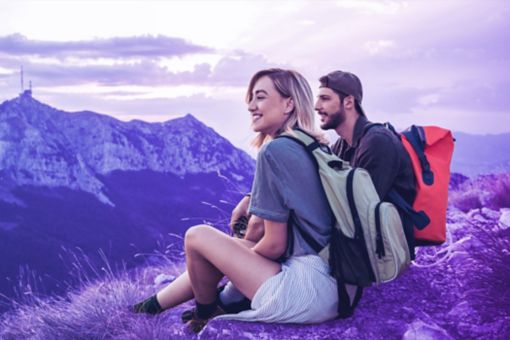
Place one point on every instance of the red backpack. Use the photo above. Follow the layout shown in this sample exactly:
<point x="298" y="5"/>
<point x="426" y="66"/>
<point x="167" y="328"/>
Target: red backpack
<point x="430" y="149"/>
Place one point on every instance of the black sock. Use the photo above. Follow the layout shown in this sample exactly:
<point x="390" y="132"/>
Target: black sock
<point x="204" y="311"/>
<point x="149" y="306"/>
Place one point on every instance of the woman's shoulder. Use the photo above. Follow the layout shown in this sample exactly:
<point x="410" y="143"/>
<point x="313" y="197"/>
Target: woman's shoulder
<point x="284" y="152"/>
<point x="282" y="147"/>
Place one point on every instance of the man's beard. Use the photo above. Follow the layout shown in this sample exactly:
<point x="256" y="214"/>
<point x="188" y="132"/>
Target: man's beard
<point x="335" y="119"/>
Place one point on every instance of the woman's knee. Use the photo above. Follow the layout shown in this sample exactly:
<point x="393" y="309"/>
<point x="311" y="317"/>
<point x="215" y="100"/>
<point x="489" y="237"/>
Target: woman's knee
<point x="196" y="235"/>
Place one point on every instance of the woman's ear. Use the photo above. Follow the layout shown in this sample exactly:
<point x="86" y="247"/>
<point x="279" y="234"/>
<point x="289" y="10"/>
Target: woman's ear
<point x="289" y="107"/>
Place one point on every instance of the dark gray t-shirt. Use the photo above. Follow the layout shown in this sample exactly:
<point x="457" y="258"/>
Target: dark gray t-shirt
<point x="287" y="188"/>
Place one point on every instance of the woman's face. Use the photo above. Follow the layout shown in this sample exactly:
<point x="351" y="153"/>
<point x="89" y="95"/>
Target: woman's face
<point x="269" y="110"/>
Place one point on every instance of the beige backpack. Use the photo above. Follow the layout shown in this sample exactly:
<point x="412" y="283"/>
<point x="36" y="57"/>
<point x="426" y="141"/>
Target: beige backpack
<point x="368" y="244"/>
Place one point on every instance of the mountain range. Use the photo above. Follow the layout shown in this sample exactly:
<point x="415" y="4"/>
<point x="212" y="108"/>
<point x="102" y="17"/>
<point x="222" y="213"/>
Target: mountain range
<point x="89" y="183"/>
<point x="481" y="154"/>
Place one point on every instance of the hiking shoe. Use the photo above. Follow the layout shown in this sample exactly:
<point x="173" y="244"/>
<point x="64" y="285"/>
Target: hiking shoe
<point x="196" y="324"/>
<point x="148" y="306"/>
<point x="235" y="307"/>
<point x="187" y="315"/>
<point x="229" y="308"/>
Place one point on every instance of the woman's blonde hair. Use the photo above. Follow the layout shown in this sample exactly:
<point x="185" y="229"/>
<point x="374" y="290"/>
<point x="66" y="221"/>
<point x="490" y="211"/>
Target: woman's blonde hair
<point x="289" y="84"/>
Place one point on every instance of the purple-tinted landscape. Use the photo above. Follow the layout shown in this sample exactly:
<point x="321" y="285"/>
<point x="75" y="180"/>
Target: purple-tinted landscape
<point x="93" y="206"/>
<point x="92" y="213"/>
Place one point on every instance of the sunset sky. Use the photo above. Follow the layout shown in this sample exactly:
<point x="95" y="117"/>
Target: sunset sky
<point x="426" y="62"/>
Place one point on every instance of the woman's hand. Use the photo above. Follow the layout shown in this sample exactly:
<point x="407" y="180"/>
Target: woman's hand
<point x="241" y="210"/>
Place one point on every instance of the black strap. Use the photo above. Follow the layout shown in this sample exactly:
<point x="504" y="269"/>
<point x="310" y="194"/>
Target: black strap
<point x="416" y="138"/>
<point x="311" y="147"/>
<point x="379" y="248"/>
<point x="419" y="218"/>
<point x="392" y="129"/>
<point x="345" y="308"/>
<point x="358" y="227"/>
<point x="358" y="231"/>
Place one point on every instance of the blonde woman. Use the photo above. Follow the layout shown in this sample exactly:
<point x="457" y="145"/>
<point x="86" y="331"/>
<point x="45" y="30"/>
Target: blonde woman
<point x="282" y="275"/>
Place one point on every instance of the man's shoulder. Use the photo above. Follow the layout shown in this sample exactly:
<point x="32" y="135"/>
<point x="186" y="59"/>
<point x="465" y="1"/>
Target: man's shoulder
<point x="378" y="134"/>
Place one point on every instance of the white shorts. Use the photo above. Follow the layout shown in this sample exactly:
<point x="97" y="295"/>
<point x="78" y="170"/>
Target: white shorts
<point x="303" y="292"/>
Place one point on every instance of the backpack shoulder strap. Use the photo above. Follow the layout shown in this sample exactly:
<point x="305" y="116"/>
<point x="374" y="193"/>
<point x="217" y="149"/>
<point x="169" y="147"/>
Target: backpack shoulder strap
<point x="416" y="137"/>
<point x="419" y="218"/>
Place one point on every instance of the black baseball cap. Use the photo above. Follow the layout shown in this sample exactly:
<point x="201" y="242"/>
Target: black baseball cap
<point x="345" y="83"/>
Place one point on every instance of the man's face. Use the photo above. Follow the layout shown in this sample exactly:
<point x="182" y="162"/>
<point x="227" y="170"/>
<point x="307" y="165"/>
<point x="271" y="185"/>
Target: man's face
<point x="329" y="108"/>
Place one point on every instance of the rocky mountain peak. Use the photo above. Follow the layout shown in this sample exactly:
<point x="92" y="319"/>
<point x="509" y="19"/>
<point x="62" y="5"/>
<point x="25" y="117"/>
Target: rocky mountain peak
<point x="44" y="146"/>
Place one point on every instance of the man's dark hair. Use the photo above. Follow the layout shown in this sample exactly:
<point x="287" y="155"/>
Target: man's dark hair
<point x="342" y="95"/>
<point x="344" y="84"/>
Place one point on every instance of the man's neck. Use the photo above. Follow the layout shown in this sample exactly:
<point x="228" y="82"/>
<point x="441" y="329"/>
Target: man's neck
<point x="346" y="129"/>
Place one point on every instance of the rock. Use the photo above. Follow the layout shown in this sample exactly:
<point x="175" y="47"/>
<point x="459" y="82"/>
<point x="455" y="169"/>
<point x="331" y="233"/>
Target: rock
<point x="425" y="331"/>
<point x="483" y="214"/>
<point x="504" y="218"/>
<point x="351" y="333"/>
<point x="163" y="279"/>
<point x="466" y="317"/>
<point x="490" y="214"/>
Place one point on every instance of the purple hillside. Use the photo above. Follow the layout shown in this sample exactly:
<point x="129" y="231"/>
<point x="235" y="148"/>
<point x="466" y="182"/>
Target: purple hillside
<point x="92" y="213"/>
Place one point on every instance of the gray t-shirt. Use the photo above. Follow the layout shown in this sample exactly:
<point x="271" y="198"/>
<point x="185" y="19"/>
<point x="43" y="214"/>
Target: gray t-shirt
<point x="287" y="188"/>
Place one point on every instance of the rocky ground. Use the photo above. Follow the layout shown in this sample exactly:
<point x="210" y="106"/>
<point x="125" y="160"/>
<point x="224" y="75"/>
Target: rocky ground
<point x="455" y="291"/>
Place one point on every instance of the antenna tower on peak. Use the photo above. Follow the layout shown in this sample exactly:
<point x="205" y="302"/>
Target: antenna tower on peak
<point x="24" y="92"/>
<point x="21" y="76"/>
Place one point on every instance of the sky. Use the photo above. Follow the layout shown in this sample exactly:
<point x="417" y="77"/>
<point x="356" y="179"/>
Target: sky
<point x="421" y="62"/>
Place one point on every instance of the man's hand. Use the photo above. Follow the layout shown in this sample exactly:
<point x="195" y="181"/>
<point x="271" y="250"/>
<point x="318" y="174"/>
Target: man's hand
<point x="240" y="211"/>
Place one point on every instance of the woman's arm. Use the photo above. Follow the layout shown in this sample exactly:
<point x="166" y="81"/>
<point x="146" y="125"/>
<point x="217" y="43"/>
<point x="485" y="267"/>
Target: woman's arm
<point x="274" y="242"/>
<point x="255" y="229"/>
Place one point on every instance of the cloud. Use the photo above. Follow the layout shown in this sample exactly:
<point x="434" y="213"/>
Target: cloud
<point x="237" y="68"/>
<point x="234" y="69"/>
<point x="370" y="7"/>
<point x="146" y="72"/>
<point x="378" y="46"/>
<point x="116" y="47"/>
<point x="428" y="99"/>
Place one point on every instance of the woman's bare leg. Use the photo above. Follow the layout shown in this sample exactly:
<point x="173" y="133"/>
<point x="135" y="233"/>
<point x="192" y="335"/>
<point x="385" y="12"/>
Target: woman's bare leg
<point x="180" y="290"/>
<point x="177" y="292"/>
<point x="211" y="254"/>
